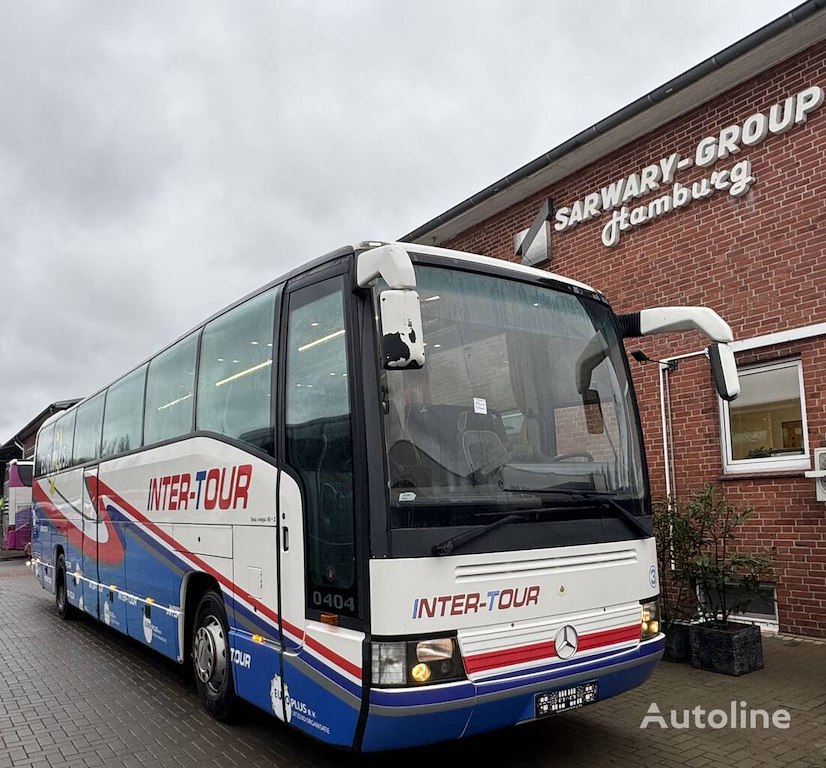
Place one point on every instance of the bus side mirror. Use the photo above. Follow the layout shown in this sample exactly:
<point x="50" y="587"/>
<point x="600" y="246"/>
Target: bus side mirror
<point x="402" y="344"/>
<point x="594" y="421"/>
<point x="724" y="371"/>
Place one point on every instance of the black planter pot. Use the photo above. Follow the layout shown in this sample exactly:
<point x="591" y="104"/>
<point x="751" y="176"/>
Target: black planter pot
<point x="732" y="648"/>
<point x="677" y="644"/>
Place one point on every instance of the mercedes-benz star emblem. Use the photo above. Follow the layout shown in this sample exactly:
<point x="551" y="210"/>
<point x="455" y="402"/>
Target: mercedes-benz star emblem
<point x="566" y="642"/>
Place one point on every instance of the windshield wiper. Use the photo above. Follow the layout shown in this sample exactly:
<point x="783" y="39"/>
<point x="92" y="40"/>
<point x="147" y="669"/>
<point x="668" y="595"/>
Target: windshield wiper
<point x="605" y="499"/>
<point x="454" y="542"/>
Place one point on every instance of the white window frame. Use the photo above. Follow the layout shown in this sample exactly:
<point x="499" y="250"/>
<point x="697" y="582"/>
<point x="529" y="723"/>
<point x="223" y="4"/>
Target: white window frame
<point x="767" y="622"/>
<point x="773" y="463"/>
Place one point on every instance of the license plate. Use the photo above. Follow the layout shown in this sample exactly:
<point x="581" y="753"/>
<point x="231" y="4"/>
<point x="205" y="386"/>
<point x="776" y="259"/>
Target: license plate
<point x="568" y="698"/>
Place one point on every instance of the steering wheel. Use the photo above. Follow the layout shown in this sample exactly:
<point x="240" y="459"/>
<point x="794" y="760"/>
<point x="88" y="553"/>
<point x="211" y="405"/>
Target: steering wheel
<point x="575" y="455"/>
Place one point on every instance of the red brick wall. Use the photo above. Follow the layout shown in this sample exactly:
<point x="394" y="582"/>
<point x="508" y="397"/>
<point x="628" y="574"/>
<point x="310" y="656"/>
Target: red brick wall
<point x="759" y="260"/>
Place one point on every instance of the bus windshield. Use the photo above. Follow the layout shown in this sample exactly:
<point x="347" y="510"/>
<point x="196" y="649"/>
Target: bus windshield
<point x="496" y="419"/>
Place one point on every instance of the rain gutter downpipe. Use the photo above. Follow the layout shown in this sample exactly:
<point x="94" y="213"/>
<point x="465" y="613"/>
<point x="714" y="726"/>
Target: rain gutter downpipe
<point x="666" y="365"/>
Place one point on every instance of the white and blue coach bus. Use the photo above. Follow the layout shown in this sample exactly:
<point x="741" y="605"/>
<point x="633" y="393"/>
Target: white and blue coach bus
<point x="397" y="496"/>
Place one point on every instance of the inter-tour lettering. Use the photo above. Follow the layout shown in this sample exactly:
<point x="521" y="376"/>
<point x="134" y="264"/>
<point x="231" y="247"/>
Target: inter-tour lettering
<point x="219" y="487"/>
<point x="473" y="602"/>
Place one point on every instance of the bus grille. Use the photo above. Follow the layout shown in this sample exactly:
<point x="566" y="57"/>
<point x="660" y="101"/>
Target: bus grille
<point x="526" y="645"/>
<point x="546" y="566"/>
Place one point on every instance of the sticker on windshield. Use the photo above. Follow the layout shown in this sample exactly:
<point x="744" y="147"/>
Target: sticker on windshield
<point x="407" y="496"/>
<point x="480" y="405"/>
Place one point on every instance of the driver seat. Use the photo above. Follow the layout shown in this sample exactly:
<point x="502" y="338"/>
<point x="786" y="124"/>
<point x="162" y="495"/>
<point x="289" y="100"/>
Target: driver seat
<point x="484" y="451"/>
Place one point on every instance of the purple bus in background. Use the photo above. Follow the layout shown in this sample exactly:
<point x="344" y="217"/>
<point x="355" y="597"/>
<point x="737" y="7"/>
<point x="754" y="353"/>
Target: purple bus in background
<point x="17" y="505"/>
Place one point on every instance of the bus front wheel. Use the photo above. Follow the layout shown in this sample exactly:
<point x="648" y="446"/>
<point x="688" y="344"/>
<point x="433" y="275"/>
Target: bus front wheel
<point x="211" y="657"/>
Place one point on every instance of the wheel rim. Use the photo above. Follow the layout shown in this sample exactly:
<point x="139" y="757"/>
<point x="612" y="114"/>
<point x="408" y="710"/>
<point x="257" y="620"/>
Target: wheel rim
<point x="210" y="654"/>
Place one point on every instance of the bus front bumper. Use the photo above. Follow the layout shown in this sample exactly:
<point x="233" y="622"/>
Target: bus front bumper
<point x="414" y="717"/>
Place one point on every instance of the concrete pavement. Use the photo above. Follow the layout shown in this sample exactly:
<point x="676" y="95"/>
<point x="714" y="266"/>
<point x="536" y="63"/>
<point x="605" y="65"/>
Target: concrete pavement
<point x="78" y="694"/>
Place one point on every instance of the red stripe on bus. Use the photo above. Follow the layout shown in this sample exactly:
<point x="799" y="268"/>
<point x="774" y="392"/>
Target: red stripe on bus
<point x="332" y="656"/>
<point x="109" y="552"/>
<point x="610" y="637"/>
<point x="105" y="490"/>
<point x="509" y="656"/>
<point x="546" y="650"/>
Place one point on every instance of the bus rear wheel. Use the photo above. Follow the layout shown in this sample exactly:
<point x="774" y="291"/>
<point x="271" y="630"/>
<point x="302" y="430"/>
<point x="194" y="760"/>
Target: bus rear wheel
<point x="64" y="608"/>
<point x="211" y="664"/>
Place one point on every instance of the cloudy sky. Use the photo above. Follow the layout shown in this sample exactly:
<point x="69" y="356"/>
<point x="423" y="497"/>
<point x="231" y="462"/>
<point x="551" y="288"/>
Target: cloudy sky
<point x="160" y="159"/>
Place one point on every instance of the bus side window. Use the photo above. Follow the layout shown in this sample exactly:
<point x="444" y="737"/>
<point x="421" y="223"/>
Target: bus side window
<point x="123" y="414"/>
<point x="87" y="431"/>
<point x="43" y="451"/>
<point x="235" y="374"/>
<point x="170" y="385"/>
<point x="64" y="437"/>
<point x="319" y="443"/>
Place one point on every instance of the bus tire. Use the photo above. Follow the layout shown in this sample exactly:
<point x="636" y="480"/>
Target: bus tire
<point x="64" y="609"/>
<point x="211" y="662"/>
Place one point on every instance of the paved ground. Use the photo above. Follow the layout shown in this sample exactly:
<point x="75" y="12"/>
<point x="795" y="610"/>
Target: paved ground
<point x="78" y="694"/>
<point x="11" y="554"/>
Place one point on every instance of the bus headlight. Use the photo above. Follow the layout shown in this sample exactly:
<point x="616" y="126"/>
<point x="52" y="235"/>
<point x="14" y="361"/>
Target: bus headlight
<point x="649" y="620"/>
<point x="416" y="662"/>
<point x="435" y="650"/>
<point x="389" y="663"/>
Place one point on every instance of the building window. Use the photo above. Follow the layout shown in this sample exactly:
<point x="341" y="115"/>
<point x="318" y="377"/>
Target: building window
<point x="757" y="604"/>
<point x="764" y="429"/>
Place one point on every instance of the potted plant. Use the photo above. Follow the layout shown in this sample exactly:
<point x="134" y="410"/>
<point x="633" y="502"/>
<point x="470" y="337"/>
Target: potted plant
<point x="674" y="536"/>
<point x="725" y="577"/>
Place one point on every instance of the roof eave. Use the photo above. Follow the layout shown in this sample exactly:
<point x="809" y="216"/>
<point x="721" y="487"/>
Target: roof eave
<point x="34" y="424"/>
<point x="770" y="45"/>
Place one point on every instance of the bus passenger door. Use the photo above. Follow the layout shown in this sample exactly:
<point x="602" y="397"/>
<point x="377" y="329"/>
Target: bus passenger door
<point x="89" y="559"/>
<point x="291" y="555"/>
<point x="321" y="661"/>
<point x="110" y="551"/>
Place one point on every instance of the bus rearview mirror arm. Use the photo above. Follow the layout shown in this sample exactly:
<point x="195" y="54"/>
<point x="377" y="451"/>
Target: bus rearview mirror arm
<point x="648" y="322"/>
<point x="666" y="319"/>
